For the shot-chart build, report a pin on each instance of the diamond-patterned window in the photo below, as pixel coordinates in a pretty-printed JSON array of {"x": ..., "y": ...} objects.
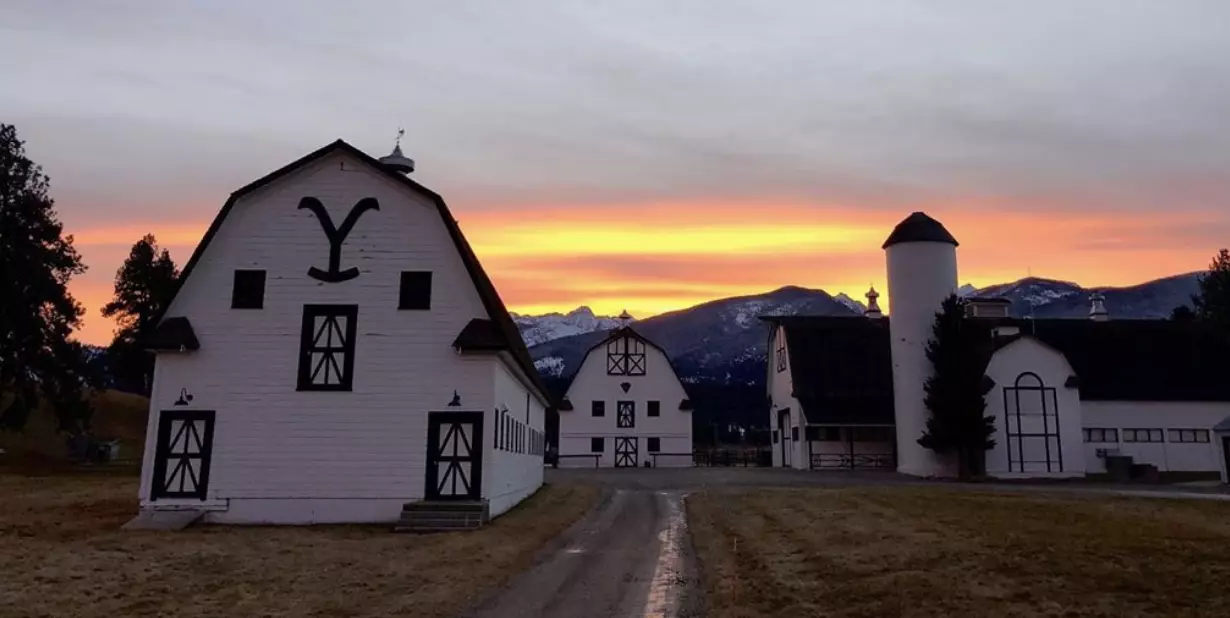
[
  {"x": 625, "y": 414},
  {"x": 625, "y": 356},
  {"x": 326, "y": 347}
]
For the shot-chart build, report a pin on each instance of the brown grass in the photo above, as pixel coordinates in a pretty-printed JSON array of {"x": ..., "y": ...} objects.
[
  {"x": 62, "y": 554},
  {"x": 116, "y": 415},
  {"x": 932, "y": 552}
]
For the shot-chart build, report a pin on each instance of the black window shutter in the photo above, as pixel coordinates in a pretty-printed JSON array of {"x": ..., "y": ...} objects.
[
  {"x": 248, "y": 291},
  {"x": 415, "y": 290}
]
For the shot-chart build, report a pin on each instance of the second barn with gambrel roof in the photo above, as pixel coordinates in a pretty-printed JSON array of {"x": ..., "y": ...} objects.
[
  {"x": 626, "y": 407},
  {"x": 335, "y": 351}
]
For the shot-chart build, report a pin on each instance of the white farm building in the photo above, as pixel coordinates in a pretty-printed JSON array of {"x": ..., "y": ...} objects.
[
  {"x": 625, "y": 408},
  {"x": 335, "y": 351},
  {"x": 1069, "y": 397}
]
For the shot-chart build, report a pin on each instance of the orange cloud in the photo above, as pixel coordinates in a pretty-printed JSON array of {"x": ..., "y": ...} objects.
[{"x": 656, "y": 257}]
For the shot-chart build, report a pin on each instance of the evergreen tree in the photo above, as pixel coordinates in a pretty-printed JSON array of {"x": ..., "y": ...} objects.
[
  {"x": 956, "y": 392},
  {"x": 37, "y": 314},
  {"x": 143, "y": 287},
  {"x": 1182, "y": 313},
  {"x": 1212, "y": 304}
]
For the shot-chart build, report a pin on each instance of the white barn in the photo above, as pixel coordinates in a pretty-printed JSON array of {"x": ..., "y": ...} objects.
[
  {"x": 1069, "y": 397},
  {"x": 625, "y": 407},
  {"x": 334, "y": 351}
]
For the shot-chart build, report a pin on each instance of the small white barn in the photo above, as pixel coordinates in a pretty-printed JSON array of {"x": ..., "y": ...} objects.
[
  {"x": 1069, "y": 397},
  {"x": 625, "y": 408},
  {"x": 334, "y": 351}
]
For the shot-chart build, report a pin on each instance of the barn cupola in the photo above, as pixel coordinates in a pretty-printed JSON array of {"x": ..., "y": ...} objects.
[
  {"x": 397, "y": 161},
  {"x": 1097, "y": 307},
  {"x": 873, "y": 307},
  {"x": 624, "y": 318}
]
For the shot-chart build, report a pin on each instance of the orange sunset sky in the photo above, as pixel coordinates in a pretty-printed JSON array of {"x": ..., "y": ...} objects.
[{"x": 650, "y": 156}]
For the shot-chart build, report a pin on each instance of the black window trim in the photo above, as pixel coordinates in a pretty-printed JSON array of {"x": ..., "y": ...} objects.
[
  {"x": 405, "y": 285},
  {"x": 306, "y": 336},
  {"x": 245, "y": 294}
]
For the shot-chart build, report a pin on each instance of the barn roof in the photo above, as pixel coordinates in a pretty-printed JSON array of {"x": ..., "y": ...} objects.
[
  {"x": 841, "y": 366},
  {"x": 1137, "y": 360},
  {"x": 502, "y": 324}
]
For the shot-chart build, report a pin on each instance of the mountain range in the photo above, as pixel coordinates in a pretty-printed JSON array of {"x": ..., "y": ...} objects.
[{"x": 723, "y": 341}]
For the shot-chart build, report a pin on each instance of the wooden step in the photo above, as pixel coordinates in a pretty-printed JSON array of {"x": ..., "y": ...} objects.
[{"x": 442, "y": 516}]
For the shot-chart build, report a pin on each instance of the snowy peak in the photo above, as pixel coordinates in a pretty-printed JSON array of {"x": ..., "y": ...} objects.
[
  {"x": 850, "y": 303},
  {"x": 536, "y": 329}
]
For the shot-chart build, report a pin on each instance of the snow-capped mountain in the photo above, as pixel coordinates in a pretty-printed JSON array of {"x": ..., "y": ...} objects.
[
  {"x": 721, "y": 339},
  {"x": 1050, "y": 298},
  {"x": 536, "y": 329},
  {"x": 724, "y": 340},
  {"x": 853, "y": 305}
]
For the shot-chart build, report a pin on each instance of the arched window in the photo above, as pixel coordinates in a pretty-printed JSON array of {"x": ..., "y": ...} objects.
[{"x": 1031, "y": 418}]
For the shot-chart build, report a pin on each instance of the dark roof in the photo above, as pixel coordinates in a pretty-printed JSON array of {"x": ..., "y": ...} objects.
[
  {"x": 686, "y": 405},
  {"x": 496, "y": 310},
  {"x": 479, "y": 335},
  {"x": 998, "y": 300},
  {"x": 918, "y": 227},
  {"x": 172, "y": 334},
  {"x": 565, "y": 405},
  {"x": 1137, "y": 360},
  {"x": 841, "y": 367}
]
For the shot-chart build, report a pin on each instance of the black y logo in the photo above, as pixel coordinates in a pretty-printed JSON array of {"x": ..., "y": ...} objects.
[{"x": 336, "y": 237}]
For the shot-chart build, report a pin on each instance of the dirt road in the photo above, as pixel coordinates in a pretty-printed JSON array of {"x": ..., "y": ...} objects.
[{"x": 626, "y": 559}]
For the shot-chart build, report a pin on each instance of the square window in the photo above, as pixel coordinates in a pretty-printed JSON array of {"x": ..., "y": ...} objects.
[
  {"x": 598, "y": 408},
  {"x": 653, "y": 445},
  {"x": 415, "y": 292},
  {"x": 655, "y": 408},
  {"x": 327, "y": 347},
  {"x": 597, "y": 445},
  {"x": 248, "y": 291}
]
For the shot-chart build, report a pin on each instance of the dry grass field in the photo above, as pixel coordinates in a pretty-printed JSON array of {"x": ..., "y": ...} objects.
[
  {"x": 62, "y": 554},
  {"x": 932, "y": 552}
]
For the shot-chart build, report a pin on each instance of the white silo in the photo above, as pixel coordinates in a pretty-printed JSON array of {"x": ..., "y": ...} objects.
[{"x": 922, "y": 272}]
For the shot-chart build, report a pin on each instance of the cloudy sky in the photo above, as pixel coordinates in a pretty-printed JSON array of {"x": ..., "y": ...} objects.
[{"x": 654, "y": 154}]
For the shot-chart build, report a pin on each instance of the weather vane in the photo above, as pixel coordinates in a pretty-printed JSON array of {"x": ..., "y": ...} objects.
[{"x": 400, "y": 133}]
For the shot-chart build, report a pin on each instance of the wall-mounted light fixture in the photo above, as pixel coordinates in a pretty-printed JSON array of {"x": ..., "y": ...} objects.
[
  {"x": 184, "y": 397},
  {"x": 456, "y": 402}
]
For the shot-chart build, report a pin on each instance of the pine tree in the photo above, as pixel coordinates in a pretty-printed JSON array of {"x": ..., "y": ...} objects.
[
  {"x": 37, "y": 314},
  {"x": 1212, "y": 304},
  {"x": 956, "y": 392},
  {"x": 143, "y": 287}
]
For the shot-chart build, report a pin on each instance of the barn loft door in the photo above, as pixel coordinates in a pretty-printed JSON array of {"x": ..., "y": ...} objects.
[
  {"x": 454, "y": 455},
  {"x": 625, "y": 452},
  {"x": 1031, "y": 416},
  {"x": 182, "y": 455}
]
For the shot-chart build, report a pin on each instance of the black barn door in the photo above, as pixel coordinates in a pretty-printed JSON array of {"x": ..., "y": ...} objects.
[
  {"x": 182, "y": 455},
  {"x": 454, "y": 456},
  {"x": 625, "y": 452}
]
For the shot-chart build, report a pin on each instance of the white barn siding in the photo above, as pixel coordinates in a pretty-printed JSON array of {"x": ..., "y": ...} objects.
[
  {"x": 1008, "y": 363},
  {"x": 781, "y": 392},
  {"x": 514, "y": 473},
  {"x": 673, "y": 427},
  {"x": 323, "y": 456},
  {"x": 1168, "y": 456}
]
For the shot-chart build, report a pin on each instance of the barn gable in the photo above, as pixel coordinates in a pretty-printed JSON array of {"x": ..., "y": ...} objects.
[{"x": 503, "y": 334}]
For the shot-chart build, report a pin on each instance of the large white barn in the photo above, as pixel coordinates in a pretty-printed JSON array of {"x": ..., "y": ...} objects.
[
  {"x": 335, "y": 351},
  {"x": 625, "y": 407},
  {"x": 1069, "y": 397}
]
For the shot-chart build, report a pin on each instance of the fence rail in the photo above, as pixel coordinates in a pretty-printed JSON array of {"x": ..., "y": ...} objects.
[{"x": 846, "y": 461}]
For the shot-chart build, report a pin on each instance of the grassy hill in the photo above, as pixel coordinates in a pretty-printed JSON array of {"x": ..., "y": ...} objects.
[{"x": 116, "y": 415}]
